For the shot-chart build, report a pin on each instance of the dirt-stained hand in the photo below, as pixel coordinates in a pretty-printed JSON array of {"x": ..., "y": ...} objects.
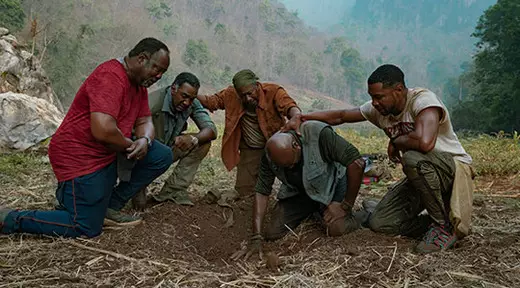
[
  {"x": 293, "y": 124},
  {"x": 333, "y": 212},
  {"x": 138, "y": 149},
  {"x": 253, "y": 246},
  {"x": 393, "y": 153},
  {"x": 184, "y": 142}
]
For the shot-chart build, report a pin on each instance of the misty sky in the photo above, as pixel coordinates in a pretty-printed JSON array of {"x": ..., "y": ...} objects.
[{"x": 319, "y": 13}]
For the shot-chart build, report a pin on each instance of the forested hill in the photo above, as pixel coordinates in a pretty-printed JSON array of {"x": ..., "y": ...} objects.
[
  {"x": 212, "y": 38},
  {"x": 430, "y": 39}
]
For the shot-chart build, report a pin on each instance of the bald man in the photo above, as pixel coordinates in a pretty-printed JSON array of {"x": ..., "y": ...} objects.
[{"x": 320, "y": 172}]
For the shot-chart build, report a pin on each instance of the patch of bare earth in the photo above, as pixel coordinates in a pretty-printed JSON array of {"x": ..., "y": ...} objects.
[{"x": 190, "y": 247}]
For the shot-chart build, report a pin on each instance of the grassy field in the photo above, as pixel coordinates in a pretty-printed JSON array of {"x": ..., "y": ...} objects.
[{"x": 189, "y": 247}]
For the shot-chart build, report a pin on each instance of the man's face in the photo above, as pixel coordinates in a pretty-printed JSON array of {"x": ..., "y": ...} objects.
[
  {"x": 153, "y": 67},
  {"x": 384, "y": 99},
  {"x": 183, "y": 96},
  {"x": 249, "y": 96}
]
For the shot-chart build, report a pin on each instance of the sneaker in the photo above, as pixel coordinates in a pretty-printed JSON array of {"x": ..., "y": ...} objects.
[
  {"x": 117, "y": 218},
  {"x": 438, "y": 238},
  {"x": 177, "y": 198},
  {"x": 183, "y": 199}
]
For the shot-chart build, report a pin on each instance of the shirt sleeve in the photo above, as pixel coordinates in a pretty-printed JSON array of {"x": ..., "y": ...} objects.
[
  {"x": 283, "y": 102},
  {"x": 215, "y": 101},
  {"x": 201, "y": 117},
  {"x": 266, "y": 177},
  {"x": 144, "y": 106},
  {"x": 333, "y": 148},
  {"x": 370, "y": 113},
  {"x": 428, "y": 99},
  {"x": 105, "y": 92}
]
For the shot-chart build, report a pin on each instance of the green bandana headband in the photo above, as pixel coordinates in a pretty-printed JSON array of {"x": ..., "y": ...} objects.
[{"x": 244, "y": 78}]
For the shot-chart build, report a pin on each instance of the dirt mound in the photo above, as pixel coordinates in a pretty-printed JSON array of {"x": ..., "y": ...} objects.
[{"x": 200, "y": 232}]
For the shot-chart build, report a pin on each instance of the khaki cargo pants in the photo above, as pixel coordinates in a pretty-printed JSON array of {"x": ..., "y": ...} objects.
[
  {"x": 428, "y": 185},
  {"x": 247, "y": 169},
  {"x": 176, "y": 186}
]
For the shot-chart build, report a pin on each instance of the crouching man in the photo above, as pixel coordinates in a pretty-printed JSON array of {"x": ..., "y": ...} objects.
[
  {"x": 320, "y": 172},
  {"x": 92, "y": 144},
  {"x": 171, "y": 108}
]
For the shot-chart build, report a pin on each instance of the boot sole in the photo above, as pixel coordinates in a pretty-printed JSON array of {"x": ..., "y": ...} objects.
[{"x": 109, "y": 222}]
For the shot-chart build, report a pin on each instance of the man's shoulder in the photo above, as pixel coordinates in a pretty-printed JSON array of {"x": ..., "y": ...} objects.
[
  {"x": 156, "y": 98},
  {"x": 422, "y": 93},
  {"x": 270, "y": 87},
  {"x": 110, "y": 66},
  {"x": 312, "y": 127}
]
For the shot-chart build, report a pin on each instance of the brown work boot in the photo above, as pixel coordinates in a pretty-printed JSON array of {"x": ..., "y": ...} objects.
[{"x": 139, "y": 200}]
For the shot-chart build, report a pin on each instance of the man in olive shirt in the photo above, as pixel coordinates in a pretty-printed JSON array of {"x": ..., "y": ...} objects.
[
  {"x": 320, "y": 172},
  {"x": 171, "y": 107}
]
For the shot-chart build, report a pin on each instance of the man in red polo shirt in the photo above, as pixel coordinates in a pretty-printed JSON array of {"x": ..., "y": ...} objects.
[{"x": 107, "y": 133}]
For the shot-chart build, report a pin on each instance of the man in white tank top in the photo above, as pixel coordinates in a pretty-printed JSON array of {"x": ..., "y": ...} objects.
[{"x": 434, "y": 162}]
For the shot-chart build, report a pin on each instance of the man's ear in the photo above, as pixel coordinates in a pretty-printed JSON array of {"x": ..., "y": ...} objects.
[
  {"x": 142, "y": 58},
  {"x": 399, "y": 87}
]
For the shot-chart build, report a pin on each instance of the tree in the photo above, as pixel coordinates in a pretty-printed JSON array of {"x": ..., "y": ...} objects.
[
  {"x": 11, "y": 14},
  {"x": 498, "y": 64},
  {"x": 197, "y": 52}
]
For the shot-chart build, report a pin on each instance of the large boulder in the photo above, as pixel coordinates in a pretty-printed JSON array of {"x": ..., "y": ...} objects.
[
  {"x": 29, "y": 112},
  {"x": 26, "y": 121},
  {"x": 21, "y": 72}
]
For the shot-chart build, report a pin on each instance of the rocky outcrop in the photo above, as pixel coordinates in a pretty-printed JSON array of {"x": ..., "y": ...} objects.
[{"x": 29, "y": 111}]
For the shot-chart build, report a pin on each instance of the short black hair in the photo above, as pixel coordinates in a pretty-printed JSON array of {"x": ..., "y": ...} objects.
[
  {"x": 186, "y": 77},
  {"x": 387, "y": 74},
  {"x": 150, "y": 45}
]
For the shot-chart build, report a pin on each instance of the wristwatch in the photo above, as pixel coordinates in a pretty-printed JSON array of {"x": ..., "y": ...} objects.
[
  {"x": 148, "y": 140},
  {"x": 194, "y": 140}
]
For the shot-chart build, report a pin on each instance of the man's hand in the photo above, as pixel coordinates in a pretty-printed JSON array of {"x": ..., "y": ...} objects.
[
  {"x": 393, "y": 153},
  {"x": 333, "y": 212},
  {"x": 138, "y": 149},
  {"x": 185, "y": 142},
  {"x": 253, "y": 246},
  {"x": 293, "y": 124}
]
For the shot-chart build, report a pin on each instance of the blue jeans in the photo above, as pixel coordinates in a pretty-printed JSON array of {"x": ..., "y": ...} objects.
[{"x": 86, "y": 198}]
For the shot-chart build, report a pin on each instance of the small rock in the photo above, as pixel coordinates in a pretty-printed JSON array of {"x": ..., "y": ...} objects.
[
  {"x": 10, "y": 38},
  {"x": 3, "y": 31}
]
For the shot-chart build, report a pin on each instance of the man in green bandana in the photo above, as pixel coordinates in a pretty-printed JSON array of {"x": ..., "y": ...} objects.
[{"x": 254, "y": 112}]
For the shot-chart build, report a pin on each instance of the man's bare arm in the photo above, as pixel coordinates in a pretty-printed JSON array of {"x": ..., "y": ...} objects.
[
  {"x": 104, "y": 129},
  {"x": 144, "y": 127},
  {"x": 293, "y": 111},
  {"x": 336, "y": 117},
  {"x": 424, "y": 136},
  {"x": 206, "y": 135},
  {"x": 259, "y": 209},
  {"x": 331, "y": 117}
]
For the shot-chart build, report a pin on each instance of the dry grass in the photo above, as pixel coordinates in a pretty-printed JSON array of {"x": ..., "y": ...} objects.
[{"x": 489, "y": 257}]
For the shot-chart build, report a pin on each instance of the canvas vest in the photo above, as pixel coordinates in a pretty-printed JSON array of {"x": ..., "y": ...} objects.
[{"x": 319, "y": 177}]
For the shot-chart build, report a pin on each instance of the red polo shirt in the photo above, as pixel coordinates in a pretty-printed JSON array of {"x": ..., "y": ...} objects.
[{"x": 73, "y": 151}]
